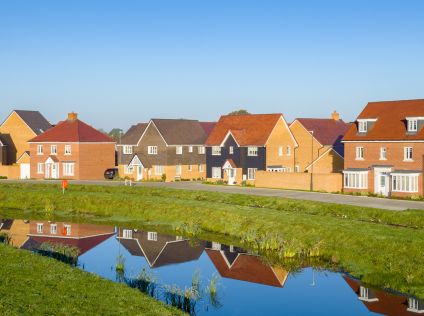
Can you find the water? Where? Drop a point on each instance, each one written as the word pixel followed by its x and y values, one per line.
pixel 245 283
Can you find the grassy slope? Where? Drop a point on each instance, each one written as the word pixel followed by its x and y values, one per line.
pixel 383 248
pixel 35 285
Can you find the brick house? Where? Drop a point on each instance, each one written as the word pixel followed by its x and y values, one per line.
pixel 320 148
pixel 170 148
pixel 239 145
pixel 71 150
pixel 384 149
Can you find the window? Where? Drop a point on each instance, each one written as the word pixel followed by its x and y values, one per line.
pixel 190 167
pixel 179 238
pixel 68 168
pixel 53 149
pixel 53 229
pixel 231 150
pixel 216 245
pixel 296 168
pixel 127 150
pixel 383 153
pixel 251 173
pixel 40 168
pixel 152 236
pixel 363 292
pixel 280 151
pixel 201 150
pixel 405 183
pixel 67 230
pixel 39 149
pixel 288 151
pixel 252 151
pixel 178 170
pixel 127 233
pixel 407 153
pixel 216 172
pixel 216 151
pixel 158 170
pixel 190 149
pixel 39 228
pixel 200 167
pixel 128 169
pixel 356 180
pixel 412 125
pixel 359 153
pixel 152 150
pixel 68 150
pixel 179 150
pixel 414 305
pixel 362 126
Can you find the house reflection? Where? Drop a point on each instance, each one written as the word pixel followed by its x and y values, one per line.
pixel 382 302
pixel 16 229
pixel 235 263
pixel 159 249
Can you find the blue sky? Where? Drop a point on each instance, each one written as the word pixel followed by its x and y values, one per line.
pixel 122 62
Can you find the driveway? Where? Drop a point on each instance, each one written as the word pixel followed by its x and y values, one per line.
pixel 364 201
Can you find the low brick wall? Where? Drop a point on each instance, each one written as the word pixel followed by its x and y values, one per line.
pixel 10 171
pixel 327 182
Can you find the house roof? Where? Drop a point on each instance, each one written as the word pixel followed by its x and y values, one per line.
pixel 391 121
pixel 133 135
pixel 328 132
pixel 35 120
pixel 72 131
pixel 181 131
pixel 252 129
pixel 208 126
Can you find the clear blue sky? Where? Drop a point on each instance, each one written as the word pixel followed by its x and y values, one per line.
pixel 122 62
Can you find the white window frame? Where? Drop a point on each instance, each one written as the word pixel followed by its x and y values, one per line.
pixel 159 169
pixel 412 125
pixel 215 171
pixel 40 168
pixel 68 169
pixel 252 151
pixel 40 228
pixel 40 150
pixel 216 151
pixel 414 305
pixel 190 149
pixel 297 168
pixel 68 150
pixel 383 153
pixel 280 151
pixel 231 150
pixel 288 150
pixel 127 150
pixel 68 229
pixel 152 150
pixel 178 170
pixel 128 169
pixel 179 150
pixel 408 153
pixel 53 149
pixel 251 173
pixel 355 179
pixel 53 229
pixel 190 168
pixel 360 153
pixel 362 126
pixel 201 150
pixel 152 236
pixel 405 183
pixel 200 168
pixel 127 234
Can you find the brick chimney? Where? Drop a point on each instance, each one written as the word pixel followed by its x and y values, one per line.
pixel 72 116
pixel 335 116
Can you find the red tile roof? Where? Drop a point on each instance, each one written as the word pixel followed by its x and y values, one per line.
pixel 72 131
pixel 391 124
pixel 253 129
pixel 328 132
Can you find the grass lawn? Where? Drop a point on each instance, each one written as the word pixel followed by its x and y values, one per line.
pixel 383 248
pixel 35 285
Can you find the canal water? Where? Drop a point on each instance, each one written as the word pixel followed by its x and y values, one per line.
pixel 215 279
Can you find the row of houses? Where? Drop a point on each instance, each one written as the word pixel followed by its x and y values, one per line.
pixel 380 152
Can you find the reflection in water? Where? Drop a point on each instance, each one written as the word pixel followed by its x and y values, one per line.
pixel 203 277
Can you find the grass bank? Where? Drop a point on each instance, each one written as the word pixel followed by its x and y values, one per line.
pixel 383 248
pixel 35 285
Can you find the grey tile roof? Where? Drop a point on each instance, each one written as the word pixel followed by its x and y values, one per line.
pixel 181 131
pixel 132 136
pixel 35 120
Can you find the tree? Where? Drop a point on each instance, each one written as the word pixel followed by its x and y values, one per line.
pixel 116 134
pixel 239 112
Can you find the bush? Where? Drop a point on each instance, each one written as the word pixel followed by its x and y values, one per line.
pixel 163 177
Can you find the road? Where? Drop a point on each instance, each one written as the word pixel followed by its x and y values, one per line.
pixel 364 201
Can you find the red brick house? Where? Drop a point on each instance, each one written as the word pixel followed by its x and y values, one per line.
pixel 71 150
pixel 384 149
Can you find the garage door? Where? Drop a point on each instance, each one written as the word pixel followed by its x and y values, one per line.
pixel 25 171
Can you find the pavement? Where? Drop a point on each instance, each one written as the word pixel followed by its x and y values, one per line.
pixel 362 201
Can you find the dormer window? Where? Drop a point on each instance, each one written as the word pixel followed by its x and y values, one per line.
pixel 412 125
pixel 362 126
pixel 415 306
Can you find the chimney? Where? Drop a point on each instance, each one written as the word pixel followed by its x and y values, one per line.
pixel 335 116
pixel 72 116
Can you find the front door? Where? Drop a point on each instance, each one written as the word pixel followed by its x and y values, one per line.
pixel 47 170
pixel 139 173
pixel 231 176
pixel 382 181
pixel 55 171
pixel 25 170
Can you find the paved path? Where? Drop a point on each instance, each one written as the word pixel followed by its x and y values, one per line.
pixel 364 201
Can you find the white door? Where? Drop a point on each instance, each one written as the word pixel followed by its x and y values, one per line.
pixel 231 176
pixel 381 183
pixel 47 169
pixel 55 171
pixel 25 171
pixel 139 173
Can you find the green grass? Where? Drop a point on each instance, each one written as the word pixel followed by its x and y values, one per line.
pixel 35 285
pixel 383 248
